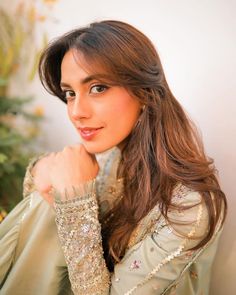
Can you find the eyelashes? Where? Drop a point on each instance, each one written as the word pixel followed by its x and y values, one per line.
pixel 99 88
pixel 69 94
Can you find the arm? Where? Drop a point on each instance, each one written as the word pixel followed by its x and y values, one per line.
pixel 79 233
pixel 151 266
pixel 60 173
pixel 164 256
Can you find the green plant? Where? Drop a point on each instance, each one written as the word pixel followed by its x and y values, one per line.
pixel 19 127
pixel 15 147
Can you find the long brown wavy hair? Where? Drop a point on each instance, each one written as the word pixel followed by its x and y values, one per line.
pixel 163 149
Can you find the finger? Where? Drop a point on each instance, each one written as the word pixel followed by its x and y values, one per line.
pixel 48 189
pixel 43 188
pixel 48 197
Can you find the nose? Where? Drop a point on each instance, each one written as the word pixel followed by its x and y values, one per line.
pixel 80 108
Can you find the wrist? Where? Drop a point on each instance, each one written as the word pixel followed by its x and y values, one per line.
pixel 71 192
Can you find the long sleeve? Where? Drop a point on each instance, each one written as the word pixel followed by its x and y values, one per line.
pixel 9 235
pixel 158 261
pixel 80 236
pixel 31 258
pixel 10 227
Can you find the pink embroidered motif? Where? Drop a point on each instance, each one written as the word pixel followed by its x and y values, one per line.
pixel 135 265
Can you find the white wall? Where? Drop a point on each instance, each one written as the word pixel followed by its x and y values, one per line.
pixel 197 43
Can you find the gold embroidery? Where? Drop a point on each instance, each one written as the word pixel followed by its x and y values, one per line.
pixel 154 221
pixel 79 233
pixel 171 256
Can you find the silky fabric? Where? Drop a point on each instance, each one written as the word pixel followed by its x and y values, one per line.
pixel 32 261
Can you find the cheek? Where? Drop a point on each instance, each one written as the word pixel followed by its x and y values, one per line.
pixel 124 113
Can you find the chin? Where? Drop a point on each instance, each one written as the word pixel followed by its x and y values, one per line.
pixel 97 149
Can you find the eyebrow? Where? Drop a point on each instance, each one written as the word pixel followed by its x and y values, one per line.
pixel 85 80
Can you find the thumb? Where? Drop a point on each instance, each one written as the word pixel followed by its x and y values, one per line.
pixel 48 198
pixel 47 194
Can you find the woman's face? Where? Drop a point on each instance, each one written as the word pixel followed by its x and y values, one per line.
pixel 104 115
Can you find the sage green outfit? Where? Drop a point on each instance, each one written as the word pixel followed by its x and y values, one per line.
pixel 38 241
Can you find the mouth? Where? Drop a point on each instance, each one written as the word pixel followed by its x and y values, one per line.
pixel 88 133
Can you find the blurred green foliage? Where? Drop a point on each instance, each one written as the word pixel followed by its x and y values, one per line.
pixel 15 148
pixel 18 127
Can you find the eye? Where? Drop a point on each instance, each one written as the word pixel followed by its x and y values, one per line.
pixel 69 94
pixel 98 88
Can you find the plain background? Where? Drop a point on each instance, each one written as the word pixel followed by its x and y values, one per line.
pixel 196 41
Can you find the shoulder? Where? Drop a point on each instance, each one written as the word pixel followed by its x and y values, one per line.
pixel 188 215
pixel 186 221
pixel 187 208
pixel 186 196
pixel 162 255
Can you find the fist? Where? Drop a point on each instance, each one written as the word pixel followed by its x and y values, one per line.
pixel 72 167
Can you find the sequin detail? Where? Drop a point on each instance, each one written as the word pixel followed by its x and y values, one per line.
pixel 79 234
pixel 170 256
pixel 157 224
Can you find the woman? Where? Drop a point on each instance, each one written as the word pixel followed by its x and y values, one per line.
pixel 142 218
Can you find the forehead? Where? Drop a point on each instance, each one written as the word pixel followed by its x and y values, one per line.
pixel 78 68
pixel 78 63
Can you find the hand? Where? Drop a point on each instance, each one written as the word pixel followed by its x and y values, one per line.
pixel 41 175
pixel 72 168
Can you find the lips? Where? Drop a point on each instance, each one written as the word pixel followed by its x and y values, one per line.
pixel 88 133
